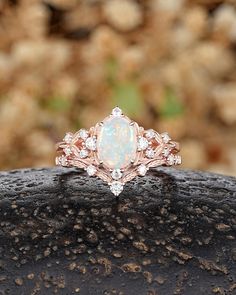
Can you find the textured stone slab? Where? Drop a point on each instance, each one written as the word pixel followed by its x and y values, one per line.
pixel 172 232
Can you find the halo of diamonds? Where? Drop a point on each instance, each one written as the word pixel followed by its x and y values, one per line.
pixel 153 149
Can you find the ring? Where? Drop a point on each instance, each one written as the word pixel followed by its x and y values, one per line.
pixel 117 150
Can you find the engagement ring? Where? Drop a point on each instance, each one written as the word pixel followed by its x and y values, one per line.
pixel 117 150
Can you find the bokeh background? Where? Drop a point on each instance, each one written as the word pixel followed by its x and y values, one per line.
pixel 169 64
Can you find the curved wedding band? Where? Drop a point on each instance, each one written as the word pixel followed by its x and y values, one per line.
pixel 117 150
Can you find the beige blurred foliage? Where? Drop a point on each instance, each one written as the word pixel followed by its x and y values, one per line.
pixel 169 64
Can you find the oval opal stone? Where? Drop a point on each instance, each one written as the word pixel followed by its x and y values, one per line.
pixel 116 142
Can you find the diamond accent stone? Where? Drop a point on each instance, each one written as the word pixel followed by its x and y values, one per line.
pixel 83 153
pixel 150 153
pixel 142 143
pixel 178 160
pixel 68 138
pixel 116 112
pixel 67 150
pixel 171 159
pixel 116 174
pixel 57 161
pixel 91 143
pixel 83 134
pixel 150 133
pixel 62 160
pixel 166 152
pixel 91 170
pixel 166 138
pixel 142 170
pixel 116 187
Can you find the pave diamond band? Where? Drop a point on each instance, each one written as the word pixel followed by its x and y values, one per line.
pixel 117 150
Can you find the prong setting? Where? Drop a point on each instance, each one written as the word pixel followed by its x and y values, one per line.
pixel 116 112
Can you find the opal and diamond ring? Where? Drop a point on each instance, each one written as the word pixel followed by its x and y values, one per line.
pixel 117 150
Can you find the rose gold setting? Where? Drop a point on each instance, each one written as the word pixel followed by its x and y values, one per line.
pixel 153 149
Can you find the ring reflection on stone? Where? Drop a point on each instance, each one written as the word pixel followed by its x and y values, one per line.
pixel 117 150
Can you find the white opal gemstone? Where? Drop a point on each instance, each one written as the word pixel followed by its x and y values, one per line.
pixel 116 142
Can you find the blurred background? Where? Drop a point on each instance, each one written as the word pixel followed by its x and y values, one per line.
pixel 169 64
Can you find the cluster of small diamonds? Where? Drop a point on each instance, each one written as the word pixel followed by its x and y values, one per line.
pixel 80 144
pixel 145 144
pixel 62 160
pixel 116 186
pixel 149 142
pixel 171 159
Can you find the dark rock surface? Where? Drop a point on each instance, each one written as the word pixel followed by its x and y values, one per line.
pixel 171 232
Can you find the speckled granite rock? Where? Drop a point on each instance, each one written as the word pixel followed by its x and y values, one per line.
pixel 172 232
